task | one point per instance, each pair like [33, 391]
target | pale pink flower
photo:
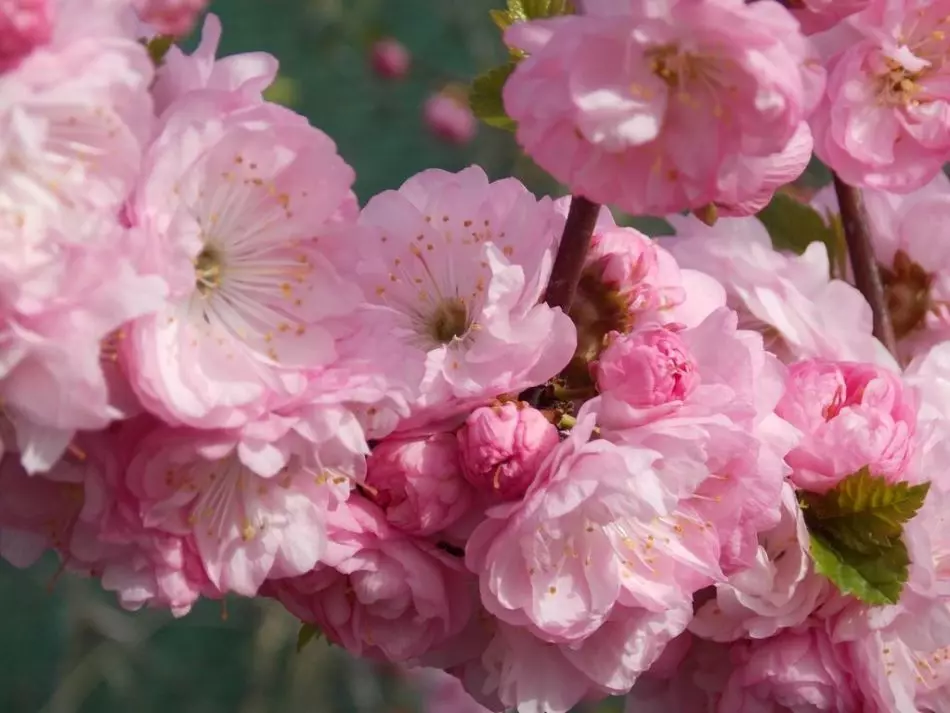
[455, 267]
[502, 446]
[795, 670]
[380, 594]
[24, 25]
[239, 203]
[249, 73]
[418, 483]
[652, 107]
[790, 299]
[851, 416]
[251, 506]
[449, 118]
[779, 591]
[818, 15]
[390, 58]
[443, 693]
[883, 120]
[170, 17]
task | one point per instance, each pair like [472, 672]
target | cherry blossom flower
[449, 118]
[24, 25]
[170, 17]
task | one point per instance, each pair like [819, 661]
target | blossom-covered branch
[572, 253]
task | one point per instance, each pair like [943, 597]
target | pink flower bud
[650, 367]
[24, 24]
[502, 446]
[390, 59]
[170, 17]
[417, 483]
[450, 119]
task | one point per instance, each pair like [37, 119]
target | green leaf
[158, 47]
[857, 531]
[307, 633]
[485, 97]
[794, 226]
[521, 10]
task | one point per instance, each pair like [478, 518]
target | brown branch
[867, 276]
[571, 253]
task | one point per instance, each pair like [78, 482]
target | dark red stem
[571, 253]
[867, 276]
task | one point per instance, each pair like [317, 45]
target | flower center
[898, 86]
[449, 321]
[670, 65]
[907, 288]
[208, 270]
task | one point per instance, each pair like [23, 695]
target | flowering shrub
[468, 429]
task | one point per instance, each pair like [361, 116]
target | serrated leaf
[307, 633]
[485, 98]
[794, 226]
[876, 578]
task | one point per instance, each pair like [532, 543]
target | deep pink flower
[390, 58]
[449, 118]
[381, 594]
[851, 415]
[418, 483]
[24, 25]
[455, 268]
[170, 17]
[651, 107]
[883, 120]
[790, 299]
[502, 446]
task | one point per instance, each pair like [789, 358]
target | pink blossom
[418, 483]
[24, 25]
[170, 17]
[449, 118]
[796, 670]
[779, 591]
[818, 15]
[443, 693]
[381, 594]
[883, 120]
[455, 266]
[502, 446]
[851, 415]
[252, 508]
[248, 73]
[239, 206]
[390, 58]
[791, 300]
[652, 107]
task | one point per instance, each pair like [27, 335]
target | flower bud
[450, 119]
[501, 447]
[390, 59]
[24, 25]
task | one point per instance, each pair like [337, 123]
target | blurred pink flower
[170, 17]
[502, 446]
[390, 58]
[24, 25]
[443, 693]
[449, 118]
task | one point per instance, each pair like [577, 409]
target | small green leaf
[857, 531]
[307, 633]
[876, 578]
[794, 226]
[535, 9]
[158, 47]
[485, 97]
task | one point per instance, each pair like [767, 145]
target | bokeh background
[65, 647]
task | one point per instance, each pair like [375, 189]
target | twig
[867, 277]
[571, 253]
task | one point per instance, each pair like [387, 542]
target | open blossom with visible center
[502, 446]
[252, 505]
[851, 415]
[883, 120]
[24, 24]
[456, 267]
[380, 593]
[238, 203]
[790, 299]
[170, 17]
[652, 106]
[418, 483]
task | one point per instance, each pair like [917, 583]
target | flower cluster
[703, 482]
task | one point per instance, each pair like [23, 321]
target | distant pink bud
[24, 24]
[417, 483]
[170, 17]
[450, 119]
[502, 446]
[852, 415]
[649, 367]
[390, 59]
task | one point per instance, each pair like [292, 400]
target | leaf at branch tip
[794, 226]
[485, 97]
[857, 531]
[307, 633]
[708, 214]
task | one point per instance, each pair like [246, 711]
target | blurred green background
[67, 648]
